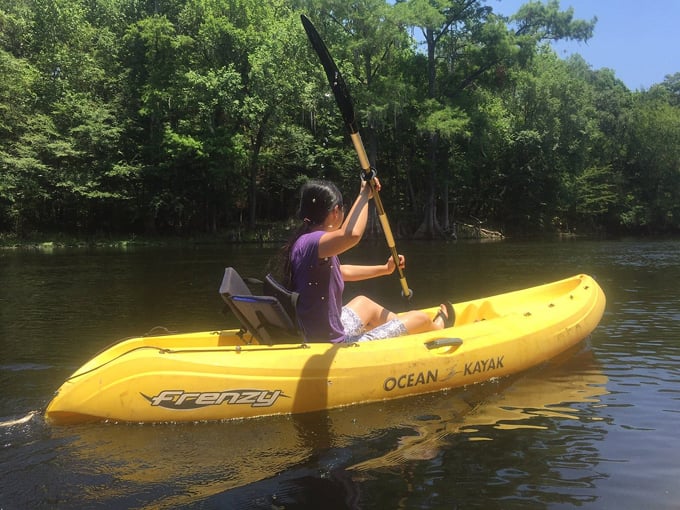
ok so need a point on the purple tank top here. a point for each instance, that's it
(320, 285)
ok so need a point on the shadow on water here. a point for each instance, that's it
(312, 389)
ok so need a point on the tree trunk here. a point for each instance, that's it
(445, 212)
(252, 186)
(429, 226)
(254, 168)
(371, 146)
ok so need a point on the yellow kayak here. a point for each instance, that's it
(221, 375)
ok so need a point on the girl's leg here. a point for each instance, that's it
(419, 322)
(373, 314)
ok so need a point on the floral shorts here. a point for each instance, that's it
(356, 332)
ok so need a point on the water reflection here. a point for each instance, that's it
(196, 460)
(507, 404)
(331, 476)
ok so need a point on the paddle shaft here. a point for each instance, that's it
(344, 101)
(382, 216)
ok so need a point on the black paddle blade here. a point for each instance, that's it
(335, 79)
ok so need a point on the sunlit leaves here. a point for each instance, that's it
(448, 122)
(186, 115)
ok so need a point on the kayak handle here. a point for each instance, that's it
(444, 342)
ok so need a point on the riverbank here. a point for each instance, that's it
(271, 233)
(263, 233)
(47, 242)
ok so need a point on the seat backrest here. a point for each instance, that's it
(287, 298)
(268, 321)
(233, 284)
(264, 317)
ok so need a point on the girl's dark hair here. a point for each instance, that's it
(317, 200)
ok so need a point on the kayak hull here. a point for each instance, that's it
(219, 375)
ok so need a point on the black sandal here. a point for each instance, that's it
(450, 316)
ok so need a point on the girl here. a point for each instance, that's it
(312, 268)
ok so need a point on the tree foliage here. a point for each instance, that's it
(189, 116)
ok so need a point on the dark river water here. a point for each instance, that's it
(597, 428)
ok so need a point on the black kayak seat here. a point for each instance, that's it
(263, 316)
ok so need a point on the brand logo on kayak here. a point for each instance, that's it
(484, 365)
(410, 380)
(183, 400)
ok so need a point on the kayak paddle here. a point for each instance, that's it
(345, 104)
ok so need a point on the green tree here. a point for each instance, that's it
(372, 49)
(199, 115)
(652, 169)
(470, 41)
(439, 21)
(271, 88)
(672, 84)
(62, 156)
(18, 161)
